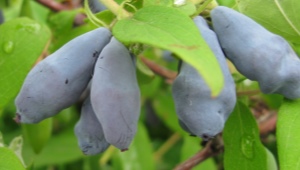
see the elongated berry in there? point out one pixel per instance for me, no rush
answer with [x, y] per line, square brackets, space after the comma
[115, 94]
[89, 131]
[203, 115]
[58, 81]
[257, 53]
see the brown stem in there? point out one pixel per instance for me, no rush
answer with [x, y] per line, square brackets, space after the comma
[248, 93]
[79, 19]
[268, 125]
[208, 151]
[201, 156]
[53, 5]
[160, 70]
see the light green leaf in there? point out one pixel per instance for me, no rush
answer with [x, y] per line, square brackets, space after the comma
[188, 8]
[243, 148]
[21, 42]
[158, 2]
[16, 145]
[228, 3]
[280, 17]
[170, 29]
[272, 165]
[1, 140]
[287, 133]
[191, 145]
[40, 12]
[9, 161]
[139, 156]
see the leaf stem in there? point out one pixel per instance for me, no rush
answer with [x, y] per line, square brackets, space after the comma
[107, 155]
[116, 9]
[207, 152]
[248, 93]
[92, 17]
[160, 70]
[203, 6]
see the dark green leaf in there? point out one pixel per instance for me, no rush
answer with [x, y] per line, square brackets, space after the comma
[243, 148]
[61, 148]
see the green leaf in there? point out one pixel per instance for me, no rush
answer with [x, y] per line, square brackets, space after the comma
[191, 145]
[8, 160]
[139, 156]
[62, 22]
[188, 8]
[296, 48]
[38, 134]
[282, 17]
[243, 148]
[62, 39]
[272, 100]
[26, 9]
[40, 12]
[149, 90]
[287, 133]
[228, 3]
[21, 42]
[169, 28]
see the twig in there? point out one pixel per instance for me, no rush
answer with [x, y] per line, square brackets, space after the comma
[201, 156]
[79, 19]
[166, 146]
[116, 9]
[248, 93]
[265, 128]
[269, 125]
[53, 5]
[160, 70]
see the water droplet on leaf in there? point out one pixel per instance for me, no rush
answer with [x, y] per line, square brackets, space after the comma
[8, 46]
[29, 27]
[247, 146]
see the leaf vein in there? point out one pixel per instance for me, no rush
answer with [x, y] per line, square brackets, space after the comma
[286, 17]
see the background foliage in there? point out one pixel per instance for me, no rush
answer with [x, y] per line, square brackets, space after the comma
[31, 31]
